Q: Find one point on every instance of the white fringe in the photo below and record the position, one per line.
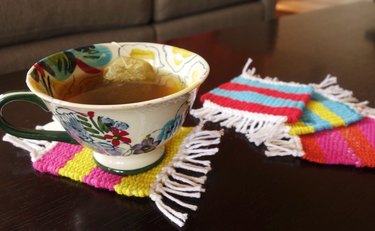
(330, 89)
(257, 127)
(36, 148)
(249, 73)
(169, 182)
(287, 146)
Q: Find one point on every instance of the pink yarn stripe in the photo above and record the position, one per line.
(56, 158)
(367, 127)
(335, 148)
(101, 179)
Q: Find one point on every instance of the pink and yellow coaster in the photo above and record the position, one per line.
(351, 145)
(188, 150)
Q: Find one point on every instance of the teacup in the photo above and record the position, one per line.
(125, 138)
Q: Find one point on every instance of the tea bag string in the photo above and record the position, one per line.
(122, 58)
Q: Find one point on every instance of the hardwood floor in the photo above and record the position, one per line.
(300, 6)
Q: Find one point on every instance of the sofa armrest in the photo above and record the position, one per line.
(269, 6)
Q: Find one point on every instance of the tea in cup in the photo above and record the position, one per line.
(122, 100)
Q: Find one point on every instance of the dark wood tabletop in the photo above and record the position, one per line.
(245, 190)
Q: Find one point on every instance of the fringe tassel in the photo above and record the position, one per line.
(169, 182)
(330, 89)
(249, 73)
(246, 71)
(257, 127)
(288, 146)
(282, 144)
(369, 112)
(36, 148)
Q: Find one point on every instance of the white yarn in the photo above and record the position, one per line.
(246, 71)
(330, 89)
(176, 217)
(36, 148)
(257, 127)
(290, 146)
(169, 182)
(333, 91)
(249, 73)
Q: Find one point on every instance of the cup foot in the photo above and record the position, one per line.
(129, 165)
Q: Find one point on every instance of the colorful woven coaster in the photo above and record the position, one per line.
(351, 145)
(275, 113)
(256, 107)
(254, 95)
(165, 182)
(322, 113)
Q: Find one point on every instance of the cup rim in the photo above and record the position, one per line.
(60, 102)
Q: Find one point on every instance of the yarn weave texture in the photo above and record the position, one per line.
(260, 96)
(351, 145)
(322, 113)
(171, 184)
(322, 123)
(76, 163)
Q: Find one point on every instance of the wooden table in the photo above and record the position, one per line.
(245, 190)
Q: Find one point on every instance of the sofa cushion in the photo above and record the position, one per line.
(23, 56)
(240, 14)
(168, 9)
(25, 20)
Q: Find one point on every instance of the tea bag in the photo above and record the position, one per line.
(128, 69)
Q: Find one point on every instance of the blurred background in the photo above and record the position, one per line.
(285, 7)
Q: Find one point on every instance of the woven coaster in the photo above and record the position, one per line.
(322, 113)
(187, 150)
(257, 107)
(255, 95)
(351, 145)
(275, 113)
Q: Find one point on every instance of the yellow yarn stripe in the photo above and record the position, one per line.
(80, 166)
(320, 110)
(139, 185)
(324, 113)
(300, 127)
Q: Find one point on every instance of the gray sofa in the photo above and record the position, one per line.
(30, 30)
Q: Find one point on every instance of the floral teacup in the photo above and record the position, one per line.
(125, 138)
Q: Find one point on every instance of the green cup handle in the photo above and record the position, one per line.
(30, 133)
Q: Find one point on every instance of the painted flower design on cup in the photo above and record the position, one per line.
(147, 145)
(61, 65)
(117, 136)
(77, 131)
(170, 127)
(109, 135)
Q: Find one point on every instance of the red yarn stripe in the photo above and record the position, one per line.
(312, 149)
(292, 113)
(268, 92)
(360, 145)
